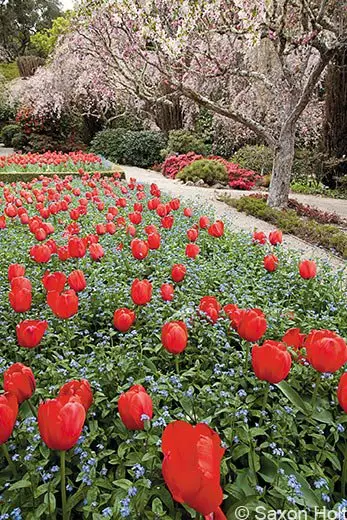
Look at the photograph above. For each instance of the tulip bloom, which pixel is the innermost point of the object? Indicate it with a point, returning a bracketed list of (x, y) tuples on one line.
[(178, 272), (153, 241), (41, 253), (15, 270), (64, 305), (192, 234), (54, 281), (342, 392), (191, 465), (80, 389), (259, 237), (187, 212), (326, 351), (30, 332), (167, 292), (19, 283), (307, 269), (19, 379), (77, 281), (271, 362), (294, 338), (217, 229), (270, 263), (252, 325), (139, 249), (76, 247), (234, 314), (61, 422), (204, 222), (133, 405), (210, 306), (96, 251), (20, 300), (167, 222), (192, 250), (275, 237), (141, 292), (174, 336), (8, 415), (123, 319)]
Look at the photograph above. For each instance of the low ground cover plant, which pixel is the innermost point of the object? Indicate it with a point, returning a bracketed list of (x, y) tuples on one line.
[(174, 366)]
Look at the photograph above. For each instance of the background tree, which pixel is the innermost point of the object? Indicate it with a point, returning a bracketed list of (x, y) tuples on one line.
[(20, 19), (43, 42), (257, 63)]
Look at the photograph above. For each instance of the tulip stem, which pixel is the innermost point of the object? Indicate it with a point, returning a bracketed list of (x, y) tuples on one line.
[(9, 460), (67, 332), (32, 408), (315, 393), (177, 365), (263, 408), (248, 345), (63, 485)]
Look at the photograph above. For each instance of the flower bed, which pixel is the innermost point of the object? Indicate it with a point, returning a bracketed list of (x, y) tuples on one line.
[(49, 162), (239, 178), (148, 322)]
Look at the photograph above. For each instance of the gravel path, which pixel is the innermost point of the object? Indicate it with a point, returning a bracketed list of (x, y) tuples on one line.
[(240, 221)]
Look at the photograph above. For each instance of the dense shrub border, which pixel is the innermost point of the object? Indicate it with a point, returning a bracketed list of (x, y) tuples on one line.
[(326, 235)]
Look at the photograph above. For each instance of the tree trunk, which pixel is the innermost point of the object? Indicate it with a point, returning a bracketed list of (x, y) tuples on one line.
[(282, 169)]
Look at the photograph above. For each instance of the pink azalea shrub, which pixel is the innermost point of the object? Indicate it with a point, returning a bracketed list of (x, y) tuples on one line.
[(239, 178)]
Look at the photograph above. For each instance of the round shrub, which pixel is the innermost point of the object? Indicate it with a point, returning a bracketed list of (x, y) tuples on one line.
[(184, 141), (257, 157), (209, 171), (143, 148), (110, 144), (19, 141), (7, 134)]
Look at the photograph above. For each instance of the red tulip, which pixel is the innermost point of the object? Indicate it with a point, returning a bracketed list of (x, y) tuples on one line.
[(192, 234), (325, 350), (141, 291), (187, 212), (77, 248), (178, 272), (217, 229), (80, 389), (307, 269), (19, 283), (210, 306), (174, 336), (342, 392), (175, 204), (123, 319), (234, 313), (191, 465), (192, 250), (15, 270), (139, 249), (252, 325), (217, 515), (64, 305), (153, 241), (19, 379), (8, 415), (162, 210), (54, 281), (167, 292), (20, 300), (204, 222), (151, 229), (167, 222), (259, 237), (30, 332), (294, 338), (133, 405), (63, 253), (131, 230), (135, 218), (2, 222), (77, 281), (270, 263), (41, 253), (96, 251), (271, 362), (275, 237), (61, 422)]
